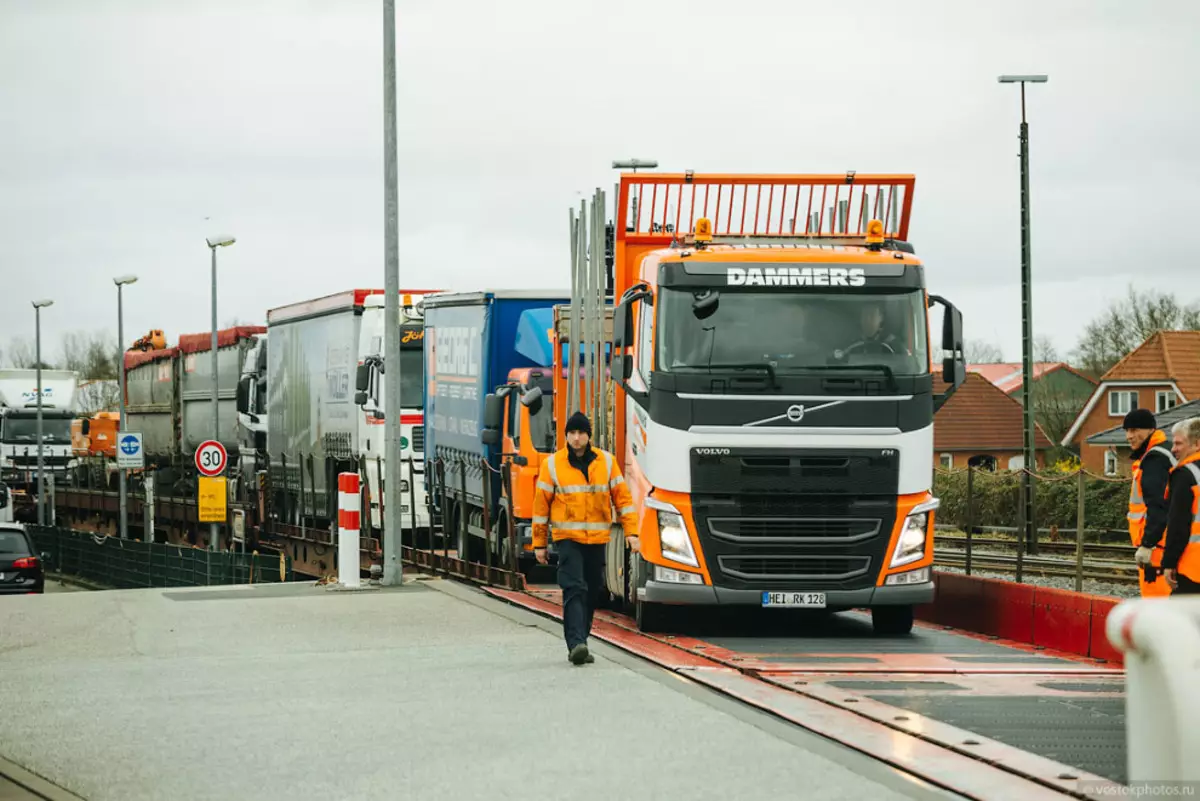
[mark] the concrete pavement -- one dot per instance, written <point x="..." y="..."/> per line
<point x="427" y="691"/>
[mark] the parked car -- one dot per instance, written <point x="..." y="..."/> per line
<point x="22" y="570"/>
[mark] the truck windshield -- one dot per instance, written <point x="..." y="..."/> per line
<point x="56" y="430"/>
<point x="792" y="332"/>
<point x="412" y="377"/>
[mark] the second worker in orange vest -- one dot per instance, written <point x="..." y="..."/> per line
<point x="1181" y="555"/>
<point x="578" y="489"/>
<point x="1152" y="463"/>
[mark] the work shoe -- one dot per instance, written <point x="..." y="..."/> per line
<point x="579" y="655"/>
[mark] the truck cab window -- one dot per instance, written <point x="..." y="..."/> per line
<point x="514" y="419"/>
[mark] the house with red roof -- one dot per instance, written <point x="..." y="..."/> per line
<point x="1161" y="373"/>
<point x="1059" y="391"/>
<point x="982" y="426"/>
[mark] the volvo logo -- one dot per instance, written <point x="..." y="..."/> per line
<point x="713" y="451"/>
<point x="794" y="414"/>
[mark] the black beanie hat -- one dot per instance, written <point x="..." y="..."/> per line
<point x="1140" y="418"/>
<point x="579" y="422"/>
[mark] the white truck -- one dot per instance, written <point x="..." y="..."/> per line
<point x="18" y="427"/>
<point x="324" y="391"/>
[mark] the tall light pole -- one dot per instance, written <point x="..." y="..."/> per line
<point x="38" y="305"/>
<point x="393" y="567"/>
<point x="215" y="242"/>
<point x="1029" y="457"/>
<point x="121" y="282"/>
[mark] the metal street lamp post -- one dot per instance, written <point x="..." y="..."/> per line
<point x="1029" y="457"/>
<point x="38" y="305"/>
<point x="121" y="282"/>
<point x="215" y="242"/>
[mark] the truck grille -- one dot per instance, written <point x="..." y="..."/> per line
<point x="418" y="438"/>
<point x="795" y="568"/>
<point x="793" y="530"/>
<point x="794" y="542"/>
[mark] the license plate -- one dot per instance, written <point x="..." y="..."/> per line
<point x="810" y="600"/>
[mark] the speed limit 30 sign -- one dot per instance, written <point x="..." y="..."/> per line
<point x="211" y="458"/>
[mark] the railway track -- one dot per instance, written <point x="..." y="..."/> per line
<point x="1112" y="551"/>
<point x="1114" y="572"/>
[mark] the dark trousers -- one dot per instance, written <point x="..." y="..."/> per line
<point x="581" y="576"/>
<point x="1186" y="586"/>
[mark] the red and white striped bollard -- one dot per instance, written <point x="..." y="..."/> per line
<point x="349" y="566"/>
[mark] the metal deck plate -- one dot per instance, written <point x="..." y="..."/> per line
<point x="1086" y="732"/>
<point x="869" y="685"/>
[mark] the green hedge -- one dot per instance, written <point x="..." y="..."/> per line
<point x="997" y="500"/>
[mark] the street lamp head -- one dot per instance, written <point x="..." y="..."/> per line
<point x="225" y="240"/>
<point x="1024" y="78"/>
<point x="634" y="164"/>
<point x="41" y="304"/>
<point x="125" y="279"/>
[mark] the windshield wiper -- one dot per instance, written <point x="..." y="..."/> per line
<point x="764" y="366"/>
<point x="882" y="368"/>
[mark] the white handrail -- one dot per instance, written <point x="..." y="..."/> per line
<point x="1160" y="639"/>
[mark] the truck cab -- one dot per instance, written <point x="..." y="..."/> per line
<point x="370" y="396"/>
<point x="519" y="418"/>
<point x="774" y="418"/>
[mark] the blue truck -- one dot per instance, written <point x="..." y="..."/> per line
<point x="472" y="342"/>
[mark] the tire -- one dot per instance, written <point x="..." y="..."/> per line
<point x="650" y="618"/>
<point x="892" y="620"/>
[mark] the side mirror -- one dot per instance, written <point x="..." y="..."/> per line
<point x="532" y="400"/>
<point x="622" y="367"/>
<point x="86" y="427"/>
<point x="954" y="364"/>
<point x="243" y="396"/>
<point x="493" y="412"/>
<point x="489" y="436"/>
<point x="362" y="378"/>
<point x="360" y="398"/>
<point x="622" y="325"/>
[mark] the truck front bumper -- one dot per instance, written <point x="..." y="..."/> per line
<point x="661" y="592"/>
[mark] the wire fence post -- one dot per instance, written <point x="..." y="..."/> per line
<point x="970" y="514"/>
<point x="1079" y="532"/>
<point x="1021" y="531"/>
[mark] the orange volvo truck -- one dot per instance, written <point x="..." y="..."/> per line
<point x="774" y="393"/>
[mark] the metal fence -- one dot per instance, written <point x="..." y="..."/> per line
<point x="129" y="564"/>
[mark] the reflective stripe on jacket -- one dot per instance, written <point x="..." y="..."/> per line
<point x="572" y="506"/>
<point x="1189" y="561"/>
<point x="1137" y="500"/>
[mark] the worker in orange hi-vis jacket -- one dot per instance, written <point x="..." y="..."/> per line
<point x="1152" y="465"/>
<point x="577" y="491"/>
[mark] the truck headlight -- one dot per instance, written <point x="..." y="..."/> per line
<point x="910" y="547"/>
<point x="672" y="534"/>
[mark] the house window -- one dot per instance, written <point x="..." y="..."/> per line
<point x="1164" y="399"/>
<point x="1121" y="402"/>
<point x="947" y="460"/>
<point x="1110" y="463"/>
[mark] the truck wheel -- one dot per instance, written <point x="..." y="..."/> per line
<point x="650" y="618"/>
<point x="892" y="620"/>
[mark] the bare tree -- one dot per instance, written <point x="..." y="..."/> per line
<point x="1044" y="349"/>
<point x="99" y="396"/>
<point x="92" y="356"/>
<point x="21" y="354"/>
<point x="1129" y="322"/>
<point x="979" y="352"/>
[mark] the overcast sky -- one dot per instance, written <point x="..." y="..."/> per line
<point x="131" y="129"/>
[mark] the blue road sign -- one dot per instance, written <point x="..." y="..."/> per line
<point x="129" y="451"/>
